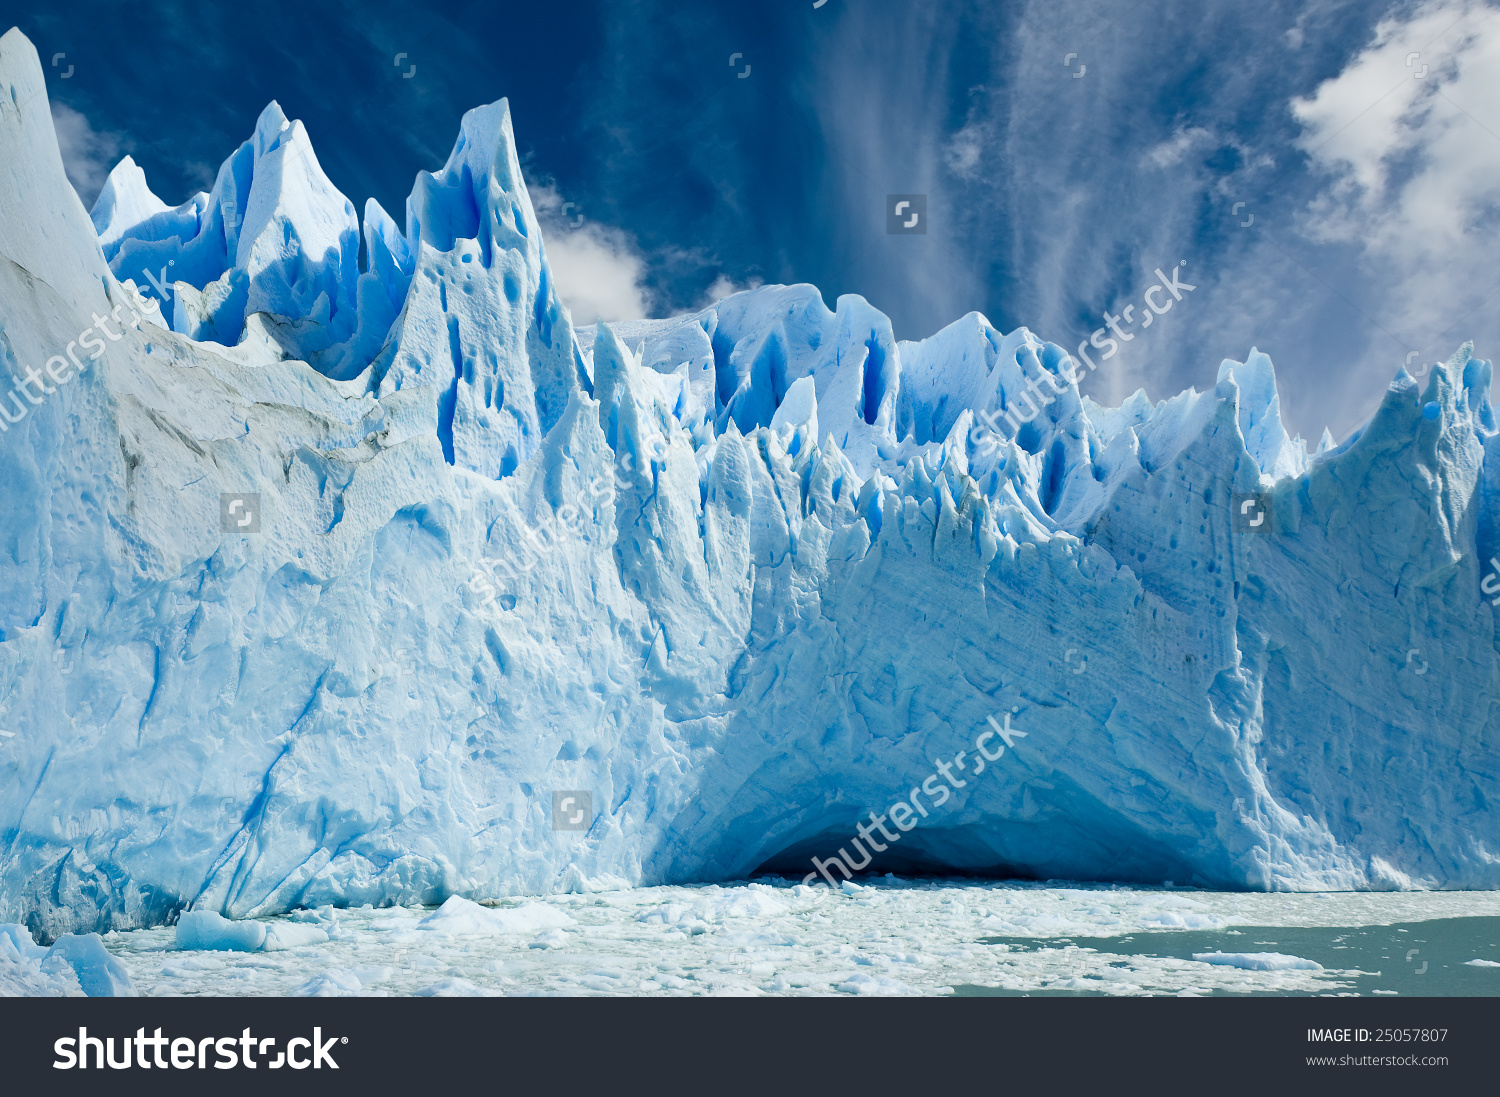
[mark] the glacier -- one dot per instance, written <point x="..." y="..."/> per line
<point x="735" y="580"/>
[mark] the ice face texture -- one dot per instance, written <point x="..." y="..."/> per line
<point x="728" y="582"/>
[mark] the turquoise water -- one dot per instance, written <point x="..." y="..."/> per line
<point x="1427" y="959"/>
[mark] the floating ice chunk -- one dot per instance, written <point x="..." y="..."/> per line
<point x="284" y="935"/>
<point x="459" y="917"/>
<point x="206" y="930"/>
<point x="756" y="901"/>
<point x="73" y="965"/>
<point x="322" y="916"/>
<point x="683" y="915"/>
<point x="210" y="931"/>
<point x="669" y="914"/>
<point x="192" y="967"/>
<point x="1168" y="919"/>
<point x="17" y="939"/>
<point x="813" y="892"/>
<point x="330" y="984"/>
<point x="552" y="938"/>
<point x="454" y="988"/>
<point x="24" y="978"/>
<point x="1257" y="961"/>
<point x="99" y="974"/>
<point x="869" y="984"/>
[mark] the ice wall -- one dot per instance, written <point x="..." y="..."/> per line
<point x="741" y="577"/>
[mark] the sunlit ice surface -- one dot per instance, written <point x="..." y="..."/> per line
<point x="884" y="936"/>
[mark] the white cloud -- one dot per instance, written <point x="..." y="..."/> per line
<point x="725" y="286"/>
<point x="597" y="267"/>
<point x="87" y="154"/>
<point x="598" y="277"/>
<point x="1169" y="153"/>
<point x="886" y="130"/>
<point x="1414" y="157"/>
<point x="965" y="149"/>
<point x="1297" y="33"/>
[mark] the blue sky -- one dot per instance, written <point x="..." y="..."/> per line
<point x="1368" y="177"/>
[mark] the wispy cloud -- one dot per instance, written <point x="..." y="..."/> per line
<point x="602" y="273"/>
<point x="886" y="129"/>
<point x="1075" y="147"/>
<point x="723" y="286"/>
<point x="87" y="153"/>
<point x="1053" y="192"/>
<point x="599" y="270"/>
<point x="1415" y="176"/>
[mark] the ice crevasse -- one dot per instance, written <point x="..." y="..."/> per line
<point x="732" y="580"/>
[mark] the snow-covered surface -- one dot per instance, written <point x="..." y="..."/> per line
<point x="890" y="936"/>
<point x="735" y="579"/>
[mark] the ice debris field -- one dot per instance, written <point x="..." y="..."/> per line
<point x="887" y="936"/>
<point x="322" y="587"/>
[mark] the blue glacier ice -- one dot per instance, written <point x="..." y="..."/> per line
<point x="734" y="580"/>
<point x="75" y="964"/>
<point x="211" y="931"/>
